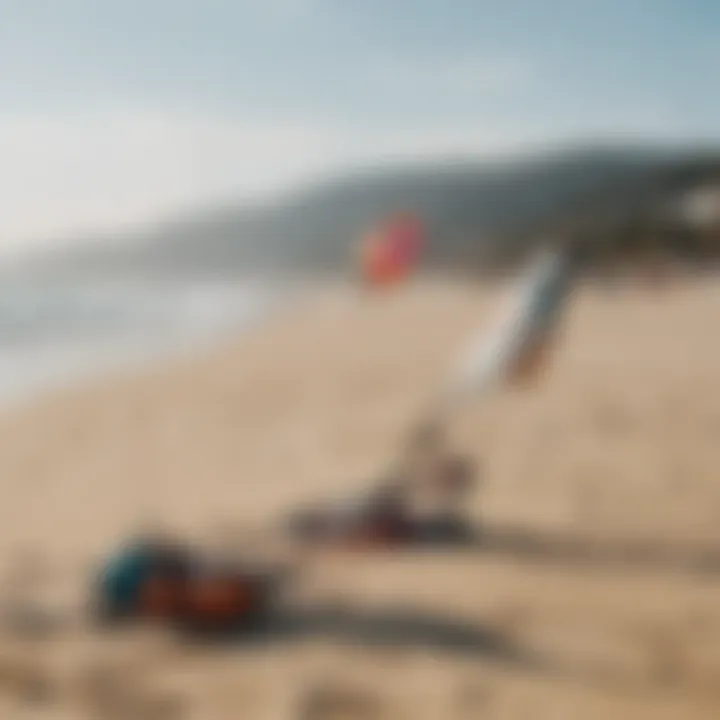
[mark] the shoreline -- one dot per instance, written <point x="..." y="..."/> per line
<point x="207" y="315"/>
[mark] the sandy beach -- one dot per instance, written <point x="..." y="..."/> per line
<point x="620" y="442"/>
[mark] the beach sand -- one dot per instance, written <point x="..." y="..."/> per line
<point x="620" y="442"/>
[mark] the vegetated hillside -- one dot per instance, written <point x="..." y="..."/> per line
<point x="478" y="213"/>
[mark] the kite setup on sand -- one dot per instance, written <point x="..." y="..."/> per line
<point x="516" y="352"/>
<point x="385" y="518"/>
<point x="171" y="583"/>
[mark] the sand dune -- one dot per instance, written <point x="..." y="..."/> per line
<point x="621" y="441"/>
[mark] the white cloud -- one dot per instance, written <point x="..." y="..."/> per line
<point x="70" y="174"/>
<point x="87" y="173"/>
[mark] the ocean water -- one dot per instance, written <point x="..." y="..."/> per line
<point x="59" y="332"/>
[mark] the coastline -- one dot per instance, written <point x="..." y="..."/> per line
<point x="106" y="328"/>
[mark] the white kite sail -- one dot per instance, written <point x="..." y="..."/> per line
<point x="517" y="347"/>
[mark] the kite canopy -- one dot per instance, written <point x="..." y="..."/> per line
<point x="390" y="252"/>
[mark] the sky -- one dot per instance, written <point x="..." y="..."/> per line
<point x="116" y="113"/>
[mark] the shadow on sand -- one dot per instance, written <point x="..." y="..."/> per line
<point x="411" y="630"/>
<point x="532" y="545"/>
<point x="523" y="543"/>
<point x="526" y="544"/>
<point x="391" y="628"/>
